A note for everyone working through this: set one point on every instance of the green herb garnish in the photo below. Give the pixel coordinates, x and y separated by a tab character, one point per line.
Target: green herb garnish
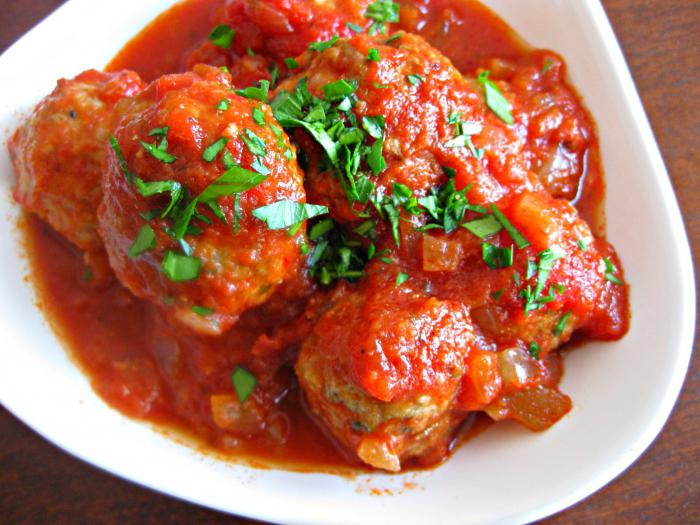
145	240
243	383
495	100
256	93
178	267
222	36
610	272
561	324
402	278
286	213
322	46
496	257
382	12
211	152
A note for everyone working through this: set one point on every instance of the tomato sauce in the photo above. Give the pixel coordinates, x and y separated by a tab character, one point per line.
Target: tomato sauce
134	358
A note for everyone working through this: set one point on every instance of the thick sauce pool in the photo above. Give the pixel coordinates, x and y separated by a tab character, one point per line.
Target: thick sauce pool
134	358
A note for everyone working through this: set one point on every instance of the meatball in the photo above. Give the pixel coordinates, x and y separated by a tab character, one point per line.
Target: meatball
191	163
382	367
564	279
279	29
425	119
58	154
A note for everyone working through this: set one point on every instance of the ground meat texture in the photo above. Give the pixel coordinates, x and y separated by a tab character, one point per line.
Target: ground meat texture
382	367
420	95
58	154
241	266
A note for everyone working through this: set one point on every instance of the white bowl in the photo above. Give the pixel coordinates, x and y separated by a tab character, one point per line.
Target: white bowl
623	391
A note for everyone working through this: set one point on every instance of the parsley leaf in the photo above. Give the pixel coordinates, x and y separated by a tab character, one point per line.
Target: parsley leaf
158	153
213	151
382	12
515	235
222	36
145	240
322	46
414	80
256	93
402	278
178	267
286	213
496	257
243	383
495	100
610	272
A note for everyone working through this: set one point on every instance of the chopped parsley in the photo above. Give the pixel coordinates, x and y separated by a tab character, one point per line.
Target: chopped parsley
515	235
286	213
244	383
258	116
354	27
414	80
332	124
323	46
274	75
223	105
145	240
373	54
211	152
178	267
222	36
534	350
496	257
561	324
610	271
159	153
202	310
533	297
484	227
337	254
291	63
402	278
256	93
464	130
495	99
382	12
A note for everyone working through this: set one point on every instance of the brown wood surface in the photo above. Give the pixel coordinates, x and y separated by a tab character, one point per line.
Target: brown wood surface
661	40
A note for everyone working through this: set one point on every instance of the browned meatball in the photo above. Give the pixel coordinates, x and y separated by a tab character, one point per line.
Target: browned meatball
273	30
425	116
190	165
58	154
382	367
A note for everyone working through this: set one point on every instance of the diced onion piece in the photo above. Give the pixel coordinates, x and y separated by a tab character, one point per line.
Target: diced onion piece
229	414
517	367
377	453
537	408
440	254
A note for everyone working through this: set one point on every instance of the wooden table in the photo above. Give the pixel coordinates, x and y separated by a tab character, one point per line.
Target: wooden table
661	39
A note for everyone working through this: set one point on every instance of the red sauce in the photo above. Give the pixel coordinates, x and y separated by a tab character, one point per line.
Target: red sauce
118	339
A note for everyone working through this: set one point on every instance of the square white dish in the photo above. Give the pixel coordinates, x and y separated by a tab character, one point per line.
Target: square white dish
622	392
